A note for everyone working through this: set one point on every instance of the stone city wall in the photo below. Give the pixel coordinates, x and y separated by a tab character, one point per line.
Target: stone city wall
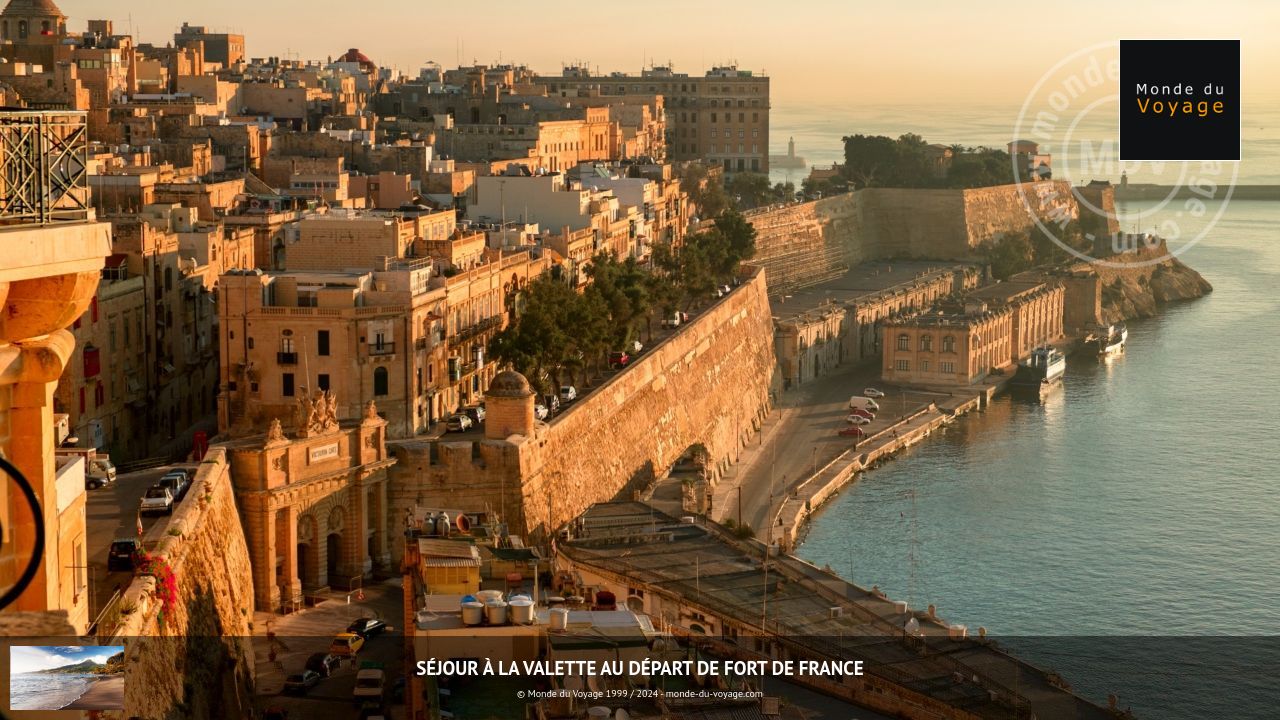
197	660
808	243
707	384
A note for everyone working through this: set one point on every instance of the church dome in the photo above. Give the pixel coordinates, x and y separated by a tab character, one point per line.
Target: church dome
355	56
36	8
509	383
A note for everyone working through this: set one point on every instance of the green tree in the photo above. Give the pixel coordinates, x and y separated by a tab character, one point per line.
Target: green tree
749	190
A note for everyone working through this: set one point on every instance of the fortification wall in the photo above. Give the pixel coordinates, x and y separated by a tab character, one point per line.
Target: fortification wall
708	384
195	660
1137	282
808	243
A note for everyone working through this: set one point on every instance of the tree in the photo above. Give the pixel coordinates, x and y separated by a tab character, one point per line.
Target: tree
750	190
707	195
867	157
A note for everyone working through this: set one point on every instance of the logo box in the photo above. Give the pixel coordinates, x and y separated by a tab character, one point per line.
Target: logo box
1179	100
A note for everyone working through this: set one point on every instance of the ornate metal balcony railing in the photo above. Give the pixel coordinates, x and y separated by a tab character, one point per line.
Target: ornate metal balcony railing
43	167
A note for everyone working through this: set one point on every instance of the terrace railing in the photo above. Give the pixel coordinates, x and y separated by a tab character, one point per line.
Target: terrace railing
43	167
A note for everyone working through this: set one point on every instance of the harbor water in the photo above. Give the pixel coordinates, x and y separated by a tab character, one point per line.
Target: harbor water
1124	531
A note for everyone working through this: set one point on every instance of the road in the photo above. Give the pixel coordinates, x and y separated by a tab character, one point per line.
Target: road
299	635
112	512
800	437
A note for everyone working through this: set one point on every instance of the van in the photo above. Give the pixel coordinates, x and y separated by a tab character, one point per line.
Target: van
369	685
863	403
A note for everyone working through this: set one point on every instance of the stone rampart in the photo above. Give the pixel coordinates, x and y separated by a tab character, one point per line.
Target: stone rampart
808	243
707	384
194	659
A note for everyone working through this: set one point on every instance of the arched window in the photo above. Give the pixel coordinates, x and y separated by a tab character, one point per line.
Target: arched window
926	343
948	344
904	342
22	29
380	381
44	26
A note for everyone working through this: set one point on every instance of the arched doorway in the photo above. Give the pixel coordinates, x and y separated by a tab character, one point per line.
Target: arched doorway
333	548
304	566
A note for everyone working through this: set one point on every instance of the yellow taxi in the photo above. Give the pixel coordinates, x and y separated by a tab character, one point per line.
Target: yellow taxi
346	644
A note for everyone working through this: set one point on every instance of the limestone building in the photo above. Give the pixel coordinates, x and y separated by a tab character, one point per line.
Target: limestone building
313	501
721	117
51	255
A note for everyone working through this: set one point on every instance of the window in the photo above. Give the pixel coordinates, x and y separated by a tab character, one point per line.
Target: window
322	381
904	342
947	367
380	381
99	395
93	308
82	401
713	117
948	344
926	343
322	342
287	385
903	365
924	366
286	344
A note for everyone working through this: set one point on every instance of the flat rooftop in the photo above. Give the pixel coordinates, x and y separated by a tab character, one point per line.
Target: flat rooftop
861	281
814	608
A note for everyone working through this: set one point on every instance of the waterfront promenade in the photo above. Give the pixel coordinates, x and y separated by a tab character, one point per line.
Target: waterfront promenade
799	460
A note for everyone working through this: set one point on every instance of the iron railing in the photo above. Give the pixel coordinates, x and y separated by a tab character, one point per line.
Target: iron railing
43	167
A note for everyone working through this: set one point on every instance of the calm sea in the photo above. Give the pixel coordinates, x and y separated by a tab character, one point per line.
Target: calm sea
38	691
817	131
1134	507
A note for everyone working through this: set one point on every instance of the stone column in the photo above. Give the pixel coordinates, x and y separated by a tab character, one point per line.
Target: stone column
355	555
287	545
261	536
380	524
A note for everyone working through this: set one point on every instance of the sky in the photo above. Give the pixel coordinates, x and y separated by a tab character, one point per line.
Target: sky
826	52
25	659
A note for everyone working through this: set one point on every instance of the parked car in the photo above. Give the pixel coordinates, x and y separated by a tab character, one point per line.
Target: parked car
568	394
323	663
300	683
684	317
541	412
552	401
619	359
865	403
369	684
367	627
854	419
100	472
672	321
863	413
157	501
177	483
872	393
123	554
458	423
853	431
346	644
637	347
726	289
475	412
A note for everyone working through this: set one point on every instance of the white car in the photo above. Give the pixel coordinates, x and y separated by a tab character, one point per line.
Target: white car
540	411
857	420
568	393
458	423
872	393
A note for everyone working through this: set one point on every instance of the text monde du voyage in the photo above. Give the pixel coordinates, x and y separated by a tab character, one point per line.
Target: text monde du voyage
1180	99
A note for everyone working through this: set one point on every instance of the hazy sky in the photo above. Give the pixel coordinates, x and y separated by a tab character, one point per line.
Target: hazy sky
815	50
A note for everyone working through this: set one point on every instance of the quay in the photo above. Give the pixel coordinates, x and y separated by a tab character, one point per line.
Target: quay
739	598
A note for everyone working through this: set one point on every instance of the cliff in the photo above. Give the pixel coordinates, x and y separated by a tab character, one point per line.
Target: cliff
1134	286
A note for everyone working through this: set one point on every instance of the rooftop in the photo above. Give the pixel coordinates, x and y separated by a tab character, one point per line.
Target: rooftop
862	281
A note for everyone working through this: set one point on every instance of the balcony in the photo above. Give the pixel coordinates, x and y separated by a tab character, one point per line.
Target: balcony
386	348
287	358
484	325
43	168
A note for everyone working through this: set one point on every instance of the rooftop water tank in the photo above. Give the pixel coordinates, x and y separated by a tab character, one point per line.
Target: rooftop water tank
496	612
521	611
472	613
559	619
487	596
442	524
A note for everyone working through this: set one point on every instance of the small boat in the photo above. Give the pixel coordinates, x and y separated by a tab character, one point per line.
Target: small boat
1111	341
1043	368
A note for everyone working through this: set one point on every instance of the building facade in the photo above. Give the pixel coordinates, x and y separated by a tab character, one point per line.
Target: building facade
721	117
313	502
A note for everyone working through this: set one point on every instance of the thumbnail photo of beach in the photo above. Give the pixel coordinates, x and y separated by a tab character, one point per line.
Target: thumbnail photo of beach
66	677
